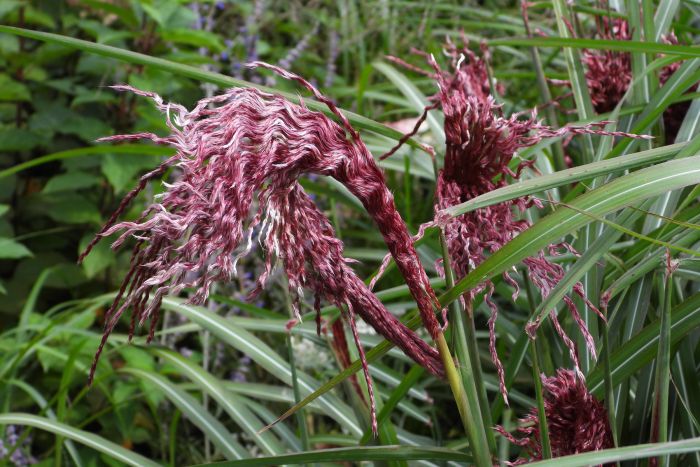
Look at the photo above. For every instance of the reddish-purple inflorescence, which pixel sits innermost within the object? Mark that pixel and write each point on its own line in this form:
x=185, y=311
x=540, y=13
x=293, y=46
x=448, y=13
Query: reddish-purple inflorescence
x=609, y=73
x=480, y=146
x=240, y=155
x=576, y=420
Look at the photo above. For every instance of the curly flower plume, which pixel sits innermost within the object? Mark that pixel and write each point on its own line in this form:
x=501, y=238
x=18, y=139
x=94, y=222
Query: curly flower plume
x=480, y=146
x=240, y=155
x=577, y=422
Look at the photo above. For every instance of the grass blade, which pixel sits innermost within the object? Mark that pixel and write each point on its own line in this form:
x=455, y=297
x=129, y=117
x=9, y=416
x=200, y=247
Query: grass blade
x=664, y=16
x=91, y=440
x=621, y=192
x=234, y=407
x=264, y=356
x=196, y=413
x=565, y=177
x=541, y=413
x=195, y=73
x=45, y=408
x=684, y=51
x=89, y=151
x=660, y=414
x=633, y=355
x=411, y=378
x=369, y=453
x=687, y=387
x=605, y=456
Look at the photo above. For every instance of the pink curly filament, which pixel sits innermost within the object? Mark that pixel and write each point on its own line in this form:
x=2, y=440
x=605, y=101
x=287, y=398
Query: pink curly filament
x=239, y=156
x=480, y=146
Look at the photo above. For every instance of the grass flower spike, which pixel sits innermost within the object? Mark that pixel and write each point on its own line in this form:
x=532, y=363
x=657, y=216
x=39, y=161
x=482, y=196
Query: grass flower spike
x=481, y=144
x=247, y=145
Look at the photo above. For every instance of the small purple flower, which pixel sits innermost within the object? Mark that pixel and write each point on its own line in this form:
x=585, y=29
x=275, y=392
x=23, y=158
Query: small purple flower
x=333, y=51
x=219, y=352
x=199, y=21
x=21, y=454
x=240, y=375
x=295, y=53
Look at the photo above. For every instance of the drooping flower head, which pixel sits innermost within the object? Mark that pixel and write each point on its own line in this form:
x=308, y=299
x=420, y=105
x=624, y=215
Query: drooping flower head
x=576, y=420
x=240, y=155
x=340, y=347
x=303, y=238
x=481, y=144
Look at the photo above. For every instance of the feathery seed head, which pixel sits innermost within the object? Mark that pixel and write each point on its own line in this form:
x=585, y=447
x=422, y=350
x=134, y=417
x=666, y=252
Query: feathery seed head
x=239, y=157
x=481, y=145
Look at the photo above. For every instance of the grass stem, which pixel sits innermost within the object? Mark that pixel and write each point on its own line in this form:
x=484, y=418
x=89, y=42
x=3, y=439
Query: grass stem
x=539, y=392
x=466, y=375
x=465, y=346
x=465, y=404
x=659, y=422
x=464, y=382
x=301, y=413
x=536, y=376
x=609, y=392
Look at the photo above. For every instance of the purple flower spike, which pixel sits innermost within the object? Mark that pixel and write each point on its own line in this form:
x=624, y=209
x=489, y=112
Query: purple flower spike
x=480, y=146
x=240, y=155
x=294, y=53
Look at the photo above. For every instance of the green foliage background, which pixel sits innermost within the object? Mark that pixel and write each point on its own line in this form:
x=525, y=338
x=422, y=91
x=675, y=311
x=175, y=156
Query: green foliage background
x=217, y=375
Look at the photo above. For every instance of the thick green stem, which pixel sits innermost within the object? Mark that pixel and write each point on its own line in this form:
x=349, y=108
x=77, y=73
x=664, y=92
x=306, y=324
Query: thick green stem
x=503, y=443
x=206, y=347
x=469, y=332
x=536, y=376
x=464, y=338
x=301, y=418
x=467, y=404
x=463, y=382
